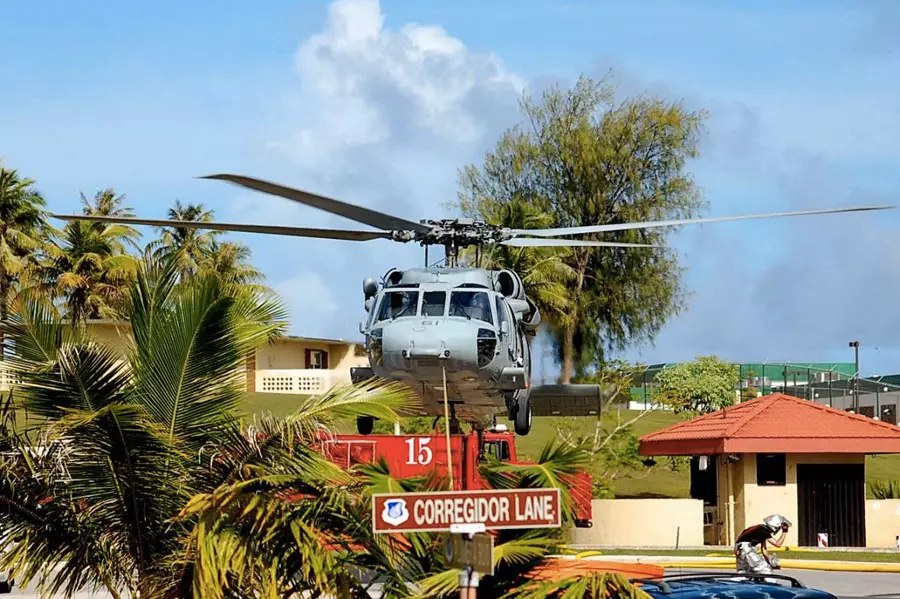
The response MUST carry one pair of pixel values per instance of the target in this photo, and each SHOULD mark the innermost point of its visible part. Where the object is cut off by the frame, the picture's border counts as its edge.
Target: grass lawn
(659, 482)
(849, 556)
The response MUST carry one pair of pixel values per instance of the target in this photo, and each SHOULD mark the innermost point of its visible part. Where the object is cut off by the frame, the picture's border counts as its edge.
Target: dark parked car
(728, 585)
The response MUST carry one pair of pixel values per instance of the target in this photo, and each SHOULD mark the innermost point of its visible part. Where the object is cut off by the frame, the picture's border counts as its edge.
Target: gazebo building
(781, 454)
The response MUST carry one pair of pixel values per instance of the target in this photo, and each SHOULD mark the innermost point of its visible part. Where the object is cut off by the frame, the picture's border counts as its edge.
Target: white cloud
(370, 85)
(311, 303)
(383, 118)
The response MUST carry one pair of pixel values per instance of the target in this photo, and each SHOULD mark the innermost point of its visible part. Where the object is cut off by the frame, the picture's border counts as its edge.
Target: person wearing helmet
(750, 547)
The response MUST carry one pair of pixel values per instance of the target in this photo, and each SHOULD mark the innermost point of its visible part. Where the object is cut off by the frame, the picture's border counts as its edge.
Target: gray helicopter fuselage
(466, 324)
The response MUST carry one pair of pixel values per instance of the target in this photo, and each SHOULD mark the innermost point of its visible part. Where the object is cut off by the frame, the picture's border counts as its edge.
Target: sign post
(466, 514)
(475, 551)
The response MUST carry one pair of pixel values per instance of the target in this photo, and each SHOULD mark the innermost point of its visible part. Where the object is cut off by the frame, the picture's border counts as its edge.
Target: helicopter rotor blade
(541, 242)
(379, 220)
(240, 228)
(670, 223)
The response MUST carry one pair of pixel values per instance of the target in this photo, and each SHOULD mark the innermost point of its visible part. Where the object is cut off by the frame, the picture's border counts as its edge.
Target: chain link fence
(834, 385)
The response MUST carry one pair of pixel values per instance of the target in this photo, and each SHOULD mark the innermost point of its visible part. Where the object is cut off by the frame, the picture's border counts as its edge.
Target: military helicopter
(457, 335)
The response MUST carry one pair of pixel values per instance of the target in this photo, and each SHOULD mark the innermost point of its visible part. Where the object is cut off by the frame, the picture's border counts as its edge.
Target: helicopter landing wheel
(365, 424)
(523, 416)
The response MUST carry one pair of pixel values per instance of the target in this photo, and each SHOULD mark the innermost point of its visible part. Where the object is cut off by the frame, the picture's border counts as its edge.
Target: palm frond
(605, 585)
(189, 370)
(376, 398)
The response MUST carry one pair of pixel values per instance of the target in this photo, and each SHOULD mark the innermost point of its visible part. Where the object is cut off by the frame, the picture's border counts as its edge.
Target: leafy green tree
(583, 158)
(23, 228)
(705, 385)
(132, 481)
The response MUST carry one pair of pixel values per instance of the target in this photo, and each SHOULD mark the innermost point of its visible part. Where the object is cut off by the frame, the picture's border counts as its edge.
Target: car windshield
(397, 304)
(471, 305)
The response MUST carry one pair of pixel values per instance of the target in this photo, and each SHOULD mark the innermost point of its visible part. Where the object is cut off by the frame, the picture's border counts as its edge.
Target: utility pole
(855, 346)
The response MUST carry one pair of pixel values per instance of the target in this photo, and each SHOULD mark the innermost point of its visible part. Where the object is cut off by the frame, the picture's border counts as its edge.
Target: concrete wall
(115, 336)
(882, 522)
(643, 522)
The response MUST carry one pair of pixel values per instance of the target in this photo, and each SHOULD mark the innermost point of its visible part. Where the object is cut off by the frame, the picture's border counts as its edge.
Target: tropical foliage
(143, 477)
(85, 268)
(23, 227)
(585, 158)
(604, 585)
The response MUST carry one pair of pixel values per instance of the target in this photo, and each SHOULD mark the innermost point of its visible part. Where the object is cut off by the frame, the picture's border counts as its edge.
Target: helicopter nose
(415, 341)
(415, 345)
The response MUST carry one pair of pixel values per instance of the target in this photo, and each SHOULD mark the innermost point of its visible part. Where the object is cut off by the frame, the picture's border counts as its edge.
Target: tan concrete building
(780, 454)
(302, 365)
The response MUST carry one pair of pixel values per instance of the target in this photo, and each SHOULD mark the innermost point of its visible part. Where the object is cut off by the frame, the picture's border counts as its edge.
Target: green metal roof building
(793, 377)
(827, 383)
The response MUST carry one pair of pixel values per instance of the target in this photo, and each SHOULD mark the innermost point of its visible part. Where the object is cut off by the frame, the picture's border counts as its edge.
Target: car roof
(730, 585)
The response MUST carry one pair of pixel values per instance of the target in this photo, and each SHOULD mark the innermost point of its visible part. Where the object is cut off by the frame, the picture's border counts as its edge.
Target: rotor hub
(460, 233)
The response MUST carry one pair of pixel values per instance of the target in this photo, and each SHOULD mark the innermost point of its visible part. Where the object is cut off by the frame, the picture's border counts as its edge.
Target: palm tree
(544, 271)
(107, 203)
(189, 247)
(88, 269)
(23, 225)
(141, 462)
(231, 261)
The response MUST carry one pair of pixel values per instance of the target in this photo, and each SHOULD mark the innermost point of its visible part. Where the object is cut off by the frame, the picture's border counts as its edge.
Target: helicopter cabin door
(505, 315)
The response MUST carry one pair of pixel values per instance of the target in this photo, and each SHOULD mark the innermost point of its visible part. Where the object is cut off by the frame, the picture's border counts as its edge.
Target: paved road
(846, 585)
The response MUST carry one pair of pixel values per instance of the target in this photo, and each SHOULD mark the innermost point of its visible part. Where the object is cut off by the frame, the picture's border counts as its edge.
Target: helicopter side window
(471, 305)
(397, 304)
(433, 303)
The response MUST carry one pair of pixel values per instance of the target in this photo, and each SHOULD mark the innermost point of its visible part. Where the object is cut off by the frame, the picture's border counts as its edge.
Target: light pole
(855, 346)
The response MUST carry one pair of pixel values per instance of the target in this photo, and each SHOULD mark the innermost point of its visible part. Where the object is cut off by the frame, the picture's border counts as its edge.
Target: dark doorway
(832, 499)
(704, 483)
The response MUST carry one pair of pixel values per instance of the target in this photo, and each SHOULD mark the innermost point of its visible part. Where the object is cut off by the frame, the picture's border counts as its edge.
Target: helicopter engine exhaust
(509, 284)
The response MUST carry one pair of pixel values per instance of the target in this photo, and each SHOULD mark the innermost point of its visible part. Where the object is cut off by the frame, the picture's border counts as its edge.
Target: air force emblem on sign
(395, 512)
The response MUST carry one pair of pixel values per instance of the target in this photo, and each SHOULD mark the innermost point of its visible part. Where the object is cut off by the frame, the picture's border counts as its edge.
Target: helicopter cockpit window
(433, 303)
(471, 305)
(397, 304)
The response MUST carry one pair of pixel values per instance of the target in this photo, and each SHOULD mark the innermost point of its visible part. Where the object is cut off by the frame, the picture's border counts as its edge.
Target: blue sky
(381, 103)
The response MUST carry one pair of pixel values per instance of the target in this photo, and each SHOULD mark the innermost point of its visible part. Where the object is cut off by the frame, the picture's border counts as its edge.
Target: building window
(770, 469)
(316, 359)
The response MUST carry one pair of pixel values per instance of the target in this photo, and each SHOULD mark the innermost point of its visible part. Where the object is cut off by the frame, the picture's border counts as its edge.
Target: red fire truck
(422, 454)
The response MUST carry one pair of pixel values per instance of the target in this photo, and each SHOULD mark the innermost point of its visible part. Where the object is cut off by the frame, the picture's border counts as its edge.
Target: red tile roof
(774, 423)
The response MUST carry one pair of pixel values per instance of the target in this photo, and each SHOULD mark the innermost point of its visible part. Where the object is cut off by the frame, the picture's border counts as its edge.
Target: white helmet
(775, 522)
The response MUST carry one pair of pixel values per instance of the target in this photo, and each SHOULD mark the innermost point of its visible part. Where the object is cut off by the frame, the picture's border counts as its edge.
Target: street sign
(477, 552)
(496, 509)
